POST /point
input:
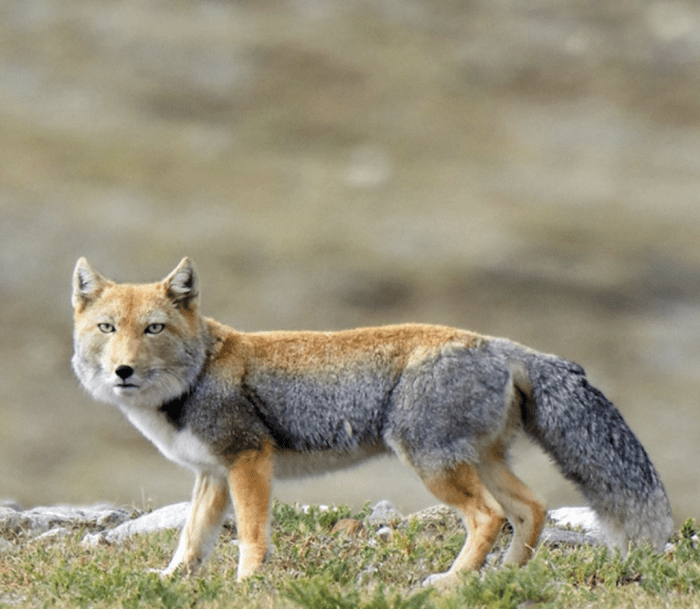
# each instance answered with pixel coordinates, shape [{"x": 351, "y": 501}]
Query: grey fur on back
[
  {"x": 447, "y": 409},
  {"x": 593, "y": 447}
]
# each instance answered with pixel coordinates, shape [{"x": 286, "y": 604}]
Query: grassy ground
[{"x": 312, "y": 567}]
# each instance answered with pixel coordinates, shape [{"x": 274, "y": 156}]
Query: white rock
[
  {"x": 53, "y": 534},
  {"x": 168, "y": 517},
  {"x": 385, "y": 534},
  {"x": 321, "y": 507},
  {"x": 383, "y": 513},
  {"x": 41, "y": 519},
  {"x": 582, "y": 517}
]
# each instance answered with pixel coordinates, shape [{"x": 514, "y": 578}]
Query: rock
[
  {"x": 10, "y": 503},
  {"x": 384, "y": 512},
  {"x": 349, "y": 526},
  {"x": 38, "y": 520},
  {"x": 438, "y": 515},
  {"x": 554, "y": 537},
  {"x": 385, "y": 534},
  {"x": 321, "y": 507},
  {"x": 578, "y": 517},
  {"x": 168, "y": 517},
  {"x": 53, "y": 534}
]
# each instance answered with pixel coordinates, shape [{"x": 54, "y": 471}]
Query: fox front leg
[
  {"x": 210, "y": 501},
  {"x": 250, "y": 479}
]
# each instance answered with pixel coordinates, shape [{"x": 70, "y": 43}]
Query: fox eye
[
  {"x": 106, "y": 328},
  {"x": 155, "y": 328}
]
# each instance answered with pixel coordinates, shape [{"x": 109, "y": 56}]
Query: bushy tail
[{"x": 593, "y": 446}]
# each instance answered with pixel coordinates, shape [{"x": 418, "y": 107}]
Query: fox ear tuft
[
  {"x": 183, "y": 284},
  {"x": 87, "y": 284}
]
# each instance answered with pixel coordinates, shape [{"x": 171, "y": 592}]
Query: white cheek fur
[{"x": 141, "y": 408}]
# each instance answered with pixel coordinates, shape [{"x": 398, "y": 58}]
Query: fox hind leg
[
  {"x": 522, "y": 507},
  {"x": 462, "y": 488}
]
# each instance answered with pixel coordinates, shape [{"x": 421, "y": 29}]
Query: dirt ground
[{"x": 524, "y": 169}]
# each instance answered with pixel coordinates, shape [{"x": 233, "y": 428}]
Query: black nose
[{"x": 124, "y": 372}]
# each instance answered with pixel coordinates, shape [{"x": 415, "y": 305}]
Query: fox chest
[{"x": 179, "y": 445}]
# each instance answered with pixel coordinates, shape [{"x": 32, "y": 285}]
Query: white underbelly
[{"x": 292, "y": 464}]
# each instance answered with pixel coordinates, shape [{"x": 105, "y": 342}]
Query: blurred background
[{"x": 524, "y": 169}]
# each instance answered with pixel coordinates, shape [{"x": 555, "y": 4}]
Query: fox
[{"x": 242, "y": 408}]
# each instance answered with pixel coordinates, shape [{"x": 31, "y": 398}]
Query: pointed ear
[
  {"x": 182, "y": 284},
  {"x": 87, "y": 284}
]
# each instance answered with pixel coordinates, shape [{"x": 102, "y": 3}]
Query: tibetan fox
[{"x": 238, "y": 408}]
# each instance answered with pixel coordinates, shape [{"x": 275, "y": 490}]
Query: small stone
[
  {"x": 384, "y": 512},
  {"x": 112, "y": 517},
  {"x": 349, "y": 526},
  {"x": 53, "y": 534},
  {"x": 438, "y": 515},
  {"x": 10, "y": 504},
  {"x": 385, "y": 534},
  {"x": 321, "y": 507},
  {"x": 93, "y": 539},
  {"x": 577, "y": 517},
  {"x": 552, "y": 536},
  {"x": 168, "y": 517}
]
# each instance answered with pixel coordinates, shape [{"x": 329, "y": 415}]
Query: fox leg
[
  {"x": 250, "y": 479},
  {"x": 524, "y": 510},
  {"x": 210, "y": 499},
  {"x": 483, "y": 517}
]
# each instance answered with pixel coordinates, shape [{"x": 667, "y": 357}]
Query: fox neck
[{"x": 174, "y": 410}]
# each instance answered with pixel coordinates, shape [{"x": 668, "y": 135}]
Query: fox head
[{"x": 137, "y": 345}]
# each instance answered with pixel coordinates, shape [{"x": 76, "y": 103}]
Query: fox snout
[
  {"x": 126, "y": 379},
  {"x": 124, "y": 372}
]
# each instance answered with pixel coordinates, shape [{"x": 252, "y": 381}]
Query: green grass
[{"x": 315, "y": 569}]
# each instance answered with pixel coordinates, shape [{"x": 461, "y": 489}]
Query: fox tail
[{"x": 593, "y": 447}]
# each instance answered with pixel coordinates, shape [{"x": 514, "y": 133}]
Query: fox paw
[
  {"x": 440, "y": 580},
  {"x": 171, "y": 571}
]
